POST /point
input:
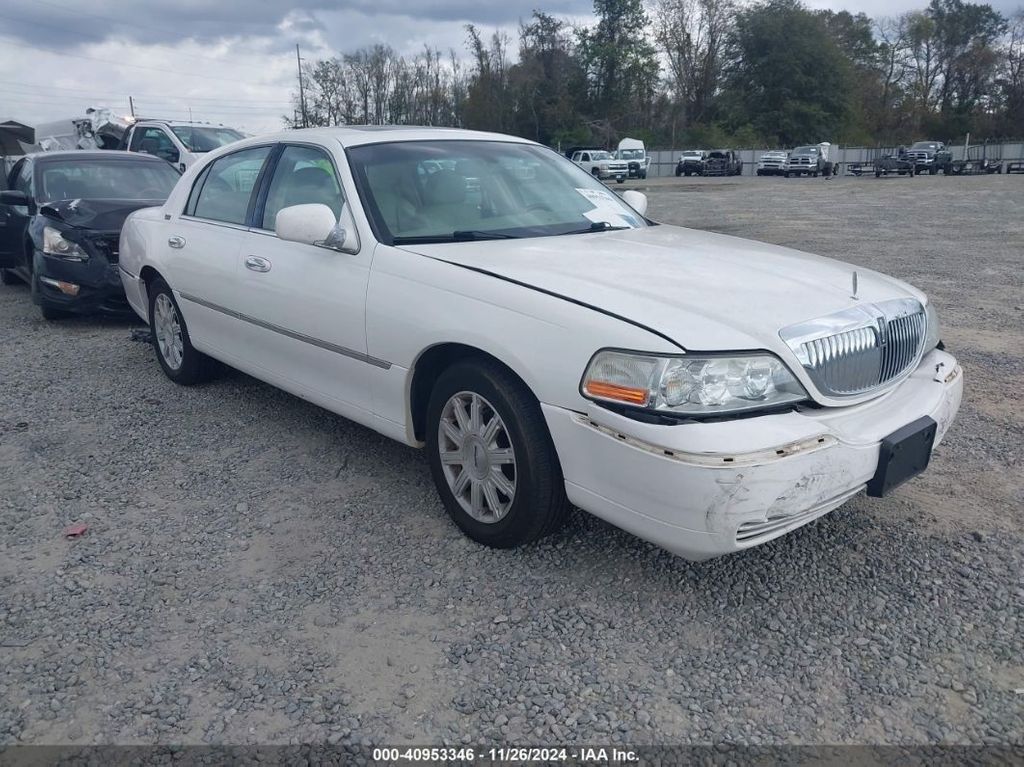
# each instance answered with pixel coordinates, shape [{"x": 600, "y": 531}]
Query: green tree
[
  {"x": 620, "y": 64},
  {"x": 791, "y": 93},
  {"x": 548, "y": 83}
]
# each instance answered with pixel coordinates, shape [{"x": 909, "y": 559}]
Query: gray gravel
[{"x": 257, "y": 570}]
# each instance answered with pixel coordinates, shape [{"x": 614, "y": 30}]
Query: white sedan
[{"x": 482, "y": 297}]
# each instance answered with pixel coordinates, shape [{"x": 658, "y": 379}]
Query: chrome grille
[{"x": 860, "y": 349}]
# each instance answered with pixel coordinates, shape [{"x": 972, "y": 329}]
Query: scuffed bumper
[
  {"x": 705, "y": 489},
  {"x": 97, "y": 282}
]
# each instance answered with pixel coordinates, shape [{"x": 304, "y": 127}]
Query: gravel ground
[{"x": 257, "y": 570}]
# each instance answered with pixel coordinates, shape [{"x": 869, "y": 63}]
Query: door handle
[
  {"x": 176, "y": 242},
  {"x": 257, "y": 264}
]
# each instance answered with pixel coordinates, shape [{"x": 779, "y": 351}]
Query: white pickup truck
[
  {"x": 180, "y": 143},
  {"x": 635, "y": 155},
  {"x": 601, "y": 164}
]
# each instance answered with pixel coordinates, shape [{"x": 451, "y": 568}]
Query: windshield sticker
[{"x": 607, "y": 208}]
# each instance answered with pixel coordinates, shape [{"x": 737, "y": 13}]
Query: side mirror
[
  {"x": 636, "y": 200},
  {"x": 315, "y": 224},
  {"x": 15, "y": 197}
]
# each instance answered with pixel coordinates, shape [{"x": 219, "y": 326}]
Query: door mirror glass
[
  {"x": 315, "y": 224},
  {"x": 636, "y": 200}
]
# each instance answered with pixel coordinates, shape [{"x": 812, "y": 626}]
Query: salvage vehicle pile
[{"x": 470, "y": 296}]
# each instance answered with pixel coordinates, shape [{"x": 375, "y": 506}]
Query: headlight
[
  {"x": 931, "y": 332},
  {"x": 54, "y": 244},
  {"x": 700, "y": 385}
]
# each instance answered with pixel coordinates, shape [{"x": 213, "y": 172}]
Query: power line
[
  {"x": 177, "y": 106},
  {"x": 121, "y": 63},
  {"x": 31, "y": 89}
]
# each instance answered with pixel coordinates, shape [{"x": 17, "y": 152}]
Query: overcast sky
[{"x": 233, "y": 61}]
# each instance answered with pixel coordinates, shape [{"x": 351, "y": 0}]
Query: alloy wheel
[
  {"x": 477, "y": 457},
  {"x": 167, "y": 327}
]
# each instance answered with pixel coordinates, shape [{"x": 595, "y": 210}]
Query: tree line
[{"x": 699, "y": 72}]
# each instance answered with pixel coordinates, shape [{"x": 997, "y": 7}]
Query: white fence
[{"x": 663, "y": 162}]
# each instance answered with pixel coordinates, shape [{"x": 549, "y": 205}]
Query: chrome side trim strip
[{"x": 326, "y": 345}]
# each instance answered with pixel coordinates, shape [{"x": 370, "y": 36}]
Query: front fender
[{"x": 415, "y": 302}]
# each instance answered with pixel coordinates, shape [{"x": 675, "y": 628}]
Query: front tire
[
  {"x": 491, "y": 456},
  {"x": 8, "y": 277},
  {"x": 178, "y": 358}
]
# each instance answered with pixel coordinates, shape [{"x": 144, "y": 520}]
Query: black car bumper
[{"x": 90, "y": 287}]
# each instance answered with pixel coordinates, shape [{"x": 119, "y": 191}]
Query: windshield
[
  {"x": 600, "y": 156},
  {"x": 925, "y": 145},
  {"x": 806, "y": 150},
  {"x": 444, "y": 191},
  {"x": 107, "y": 180},
  {"x": 694, "y": 153},
  {"x": 631, "y": 154},
  {"x": 198, "y": 138}
]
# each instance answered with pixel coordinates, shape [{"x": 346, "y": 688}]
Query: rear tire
[
  {"x": 8, "y": 277},
  {"x": 174, "y": 351},
  {"x": 501, "y": 482}
]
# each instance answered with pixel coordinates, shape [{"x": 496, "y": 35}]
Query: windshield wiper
[
  {"x": 461, "y": 235},
  {"x": 479, "y": 234},
  {"x": 598, "y": 226}
]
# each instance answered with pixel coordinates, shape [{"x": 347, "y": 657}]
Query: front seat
[
  {"x": 445, "y": 201},
  {"x": 311, "y": 186}
]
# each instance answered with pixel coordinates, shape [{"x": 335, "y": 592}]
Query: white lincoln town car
[{"x": 482, "y": 297}]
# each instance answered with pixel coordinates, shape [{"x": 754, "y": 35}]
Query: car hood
[
  {"x": 701, "y": 290},
  {"x": 103, "y": 215}
]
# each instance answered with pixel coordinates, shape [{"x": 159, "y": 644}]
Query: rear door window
[{"x": 227, "y": 186}]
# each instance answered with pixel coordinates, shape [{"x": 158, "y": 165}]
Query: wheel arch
[
  {"x": 148, "y": 274},
  {"x": 428, "y": 367}
]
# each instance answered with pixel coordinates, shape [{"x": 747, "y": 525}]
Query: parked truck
[
  {"x": 808, "y": 160},
  {"x": 600, "y": 164},
  {"x": 634, "y": 153},
  {"x": 772, "y": 163},
  {"x": 723, "y": 162},
  {"x": 931, "y": 156},
  {"x": 180, "y": 143},
  {"x": 692, "y": 162}
]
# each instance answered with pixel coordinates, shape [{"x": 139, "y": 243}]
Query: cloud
[
  {"x": 233, "y": 61},
  {"x": 230, "y": 61}
]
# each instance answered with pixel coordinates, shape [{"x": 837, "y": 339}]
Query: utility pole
[
  {"x": 131, "y": 106},
  {"x": 302, "y": 89}
]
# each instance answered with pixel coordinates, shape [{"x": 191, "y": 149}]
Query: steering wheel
[{"x": 539, "y": 206}]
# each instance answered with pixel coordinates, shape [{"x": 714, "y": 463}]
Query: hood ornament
[{"x": 853, "y": 295}]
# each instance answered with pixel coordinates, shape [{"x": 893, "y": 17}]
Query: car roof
[
  {"x": 93, "y": 154},
  {"x": 180, "y": 123},
  {"x": 357, "y": 135}
]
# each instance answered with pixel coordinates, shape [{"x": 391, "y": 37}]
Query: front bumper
[
  {"x": 705, "y": 489},
  {"x": 98, "y": 281}
]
